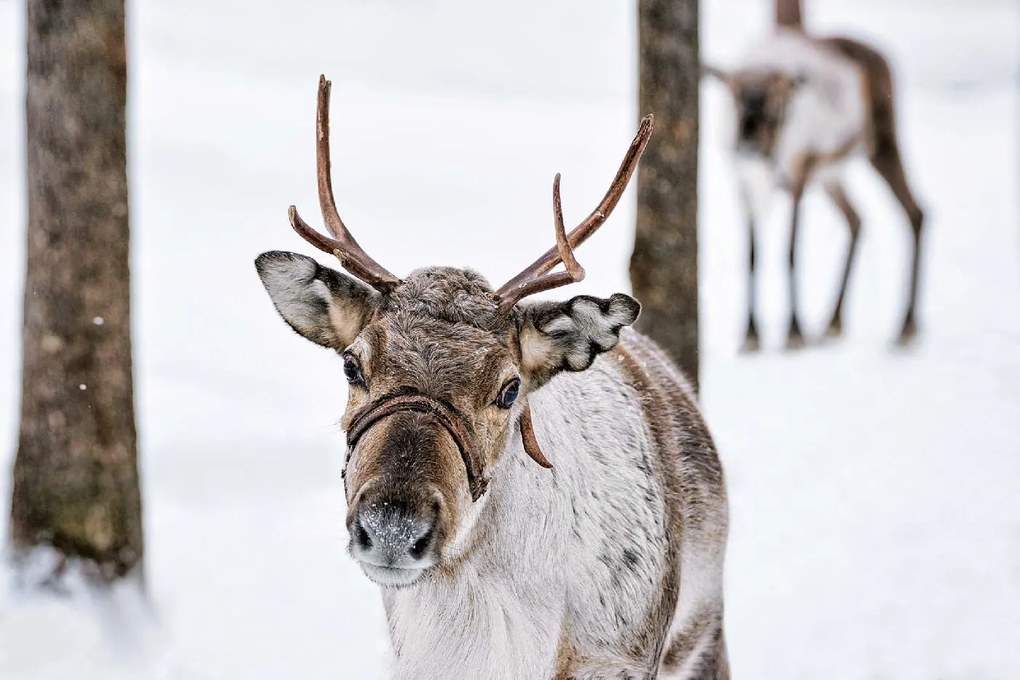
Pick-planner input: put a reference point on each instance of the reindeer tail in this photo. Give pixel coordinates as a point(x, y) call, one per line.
point(788, 14)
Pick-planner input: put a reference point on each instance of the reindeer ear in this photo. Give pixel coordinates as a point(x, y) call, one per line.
point(707, 70)
point(323, 305)
point(784, 85)
point(567, 336)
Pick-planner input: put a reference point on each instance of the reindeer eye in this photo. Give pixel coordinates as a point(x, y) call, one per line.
point(508, 395)
point(352, 369)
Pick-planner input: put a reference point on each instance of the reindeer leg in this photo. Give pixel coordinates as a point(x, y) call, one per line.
point(751, 343)
point(722, 659)
point(837, 194)
point(886, 160)
point(794, 338)
point(697, 652)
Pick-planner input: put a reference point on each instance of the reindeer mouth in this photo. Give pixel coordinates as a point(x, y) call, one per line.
point(391, 577)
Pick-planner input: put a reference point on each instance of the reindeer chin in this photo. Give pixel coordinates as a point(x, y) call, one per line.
point(391, 577)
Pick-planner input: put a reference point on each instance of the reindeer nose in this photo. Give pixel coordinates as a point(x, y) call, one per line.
point(390, 535)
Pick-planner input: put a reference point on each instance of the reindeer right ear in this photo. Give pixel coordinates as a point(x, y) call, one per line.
point(567, 336)
point(723, 76)
point(321, 304)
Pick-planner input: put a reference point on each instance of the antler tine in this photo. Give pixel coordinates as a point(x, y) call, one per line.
point(574, 271)
point(536, 278)
point(566, 253)
point(343, 244)
point(334, 247)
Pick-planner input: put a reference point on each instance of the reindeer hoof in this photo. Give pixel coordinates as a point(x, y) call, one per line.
point(795, 341)
point(835, 328)
point(908, 334)
point(751, 345)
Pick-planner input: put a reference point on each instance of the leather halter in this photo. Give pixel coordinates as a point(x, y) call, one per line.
point(452, 421)
point(529, 439)
point(444, 415)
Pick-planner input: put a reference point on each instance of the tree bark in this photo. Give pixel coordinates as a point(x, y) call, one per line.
point(664, 265)
point(76, 486)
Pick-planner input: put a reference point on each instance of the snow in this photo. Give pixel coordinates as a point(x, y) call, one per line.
point(874, 491)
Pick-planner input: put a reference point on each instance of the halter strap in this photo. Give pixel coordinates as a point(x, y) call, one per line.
point(452, 421)
point(529, 439)
point(445, 415)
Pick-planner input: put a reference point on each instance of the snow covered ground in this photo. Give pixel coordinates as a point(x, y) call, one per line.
point(875, 493)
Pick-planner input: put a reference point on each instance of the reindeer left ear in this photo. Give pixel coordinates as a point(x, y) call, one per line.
point(567, 336)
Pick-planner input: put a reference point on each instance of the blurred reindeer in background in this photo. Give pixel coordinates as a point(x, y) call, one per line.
point(804, 106)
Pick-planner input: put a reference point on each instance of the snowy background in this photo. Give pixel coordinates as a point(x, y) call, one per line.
point(875, 492)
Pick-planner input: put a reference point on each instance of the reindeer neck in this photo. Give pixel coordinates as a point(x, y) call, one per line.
point(548, 558)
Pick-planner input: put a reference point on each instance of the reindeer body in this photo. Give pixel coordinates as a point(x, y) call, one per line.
point(825, 121)
point(805, 106)
point(599, 568)
point(584, 543)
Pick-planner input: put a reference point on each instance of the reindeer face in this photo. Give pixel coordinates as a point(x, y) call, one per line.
point(760, 99)
point(438, 366)
point(437, 377)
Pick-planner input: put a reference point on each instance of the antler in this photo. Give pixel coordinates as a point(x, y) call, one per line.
point(342, 244)
point(536, 278)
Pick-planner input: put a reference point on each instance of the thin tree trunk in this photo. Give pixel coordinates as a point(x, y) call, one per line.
point(664, 266)
point(76, 476)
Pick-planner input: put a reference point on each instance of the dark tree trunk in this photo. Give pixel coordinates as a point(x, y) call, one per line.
point(76, 474)
point(664, 266)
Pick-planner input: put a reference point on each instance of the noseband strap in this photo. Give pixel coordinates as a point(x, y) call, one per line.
point(444, 415)
point(453, 422)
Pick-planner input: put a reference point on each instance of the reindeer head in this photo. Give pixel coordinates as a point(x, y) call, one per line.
point(440, 367)
point(760, 97)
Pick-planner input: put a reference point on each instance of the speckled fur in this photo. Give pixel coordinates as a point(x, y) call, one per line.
point(607, 566)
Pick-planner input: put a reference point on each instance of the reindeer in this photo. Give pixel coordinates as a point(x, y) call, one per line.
point(804, 107)
point(584, 541)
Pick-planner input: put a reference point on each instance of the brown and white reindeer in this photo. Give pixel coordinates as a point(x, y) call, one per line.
point(585, 541)
point(804, 106)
